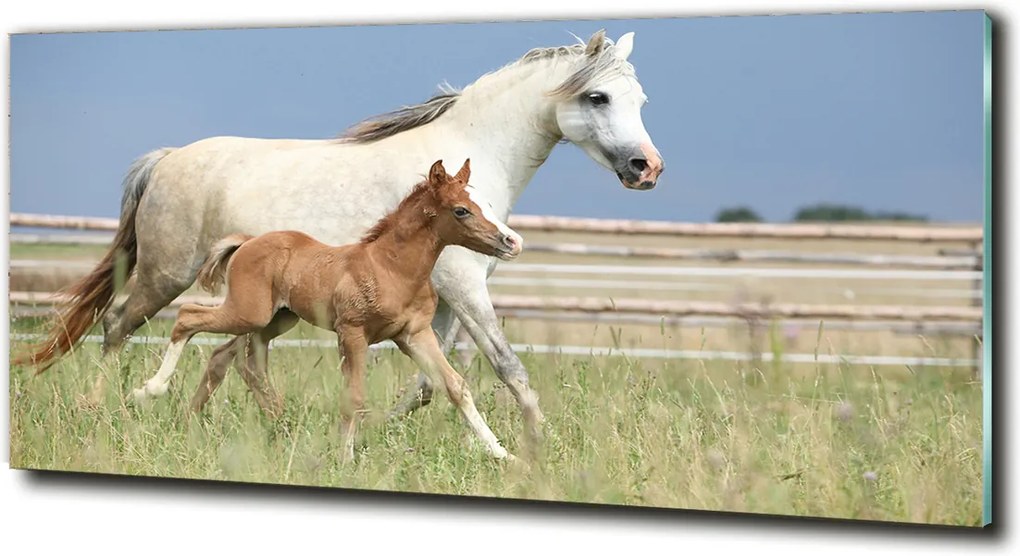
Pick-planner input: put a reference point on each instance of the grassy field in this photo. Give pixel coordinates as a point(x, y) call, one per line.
point(825, 440)
point(834, 440)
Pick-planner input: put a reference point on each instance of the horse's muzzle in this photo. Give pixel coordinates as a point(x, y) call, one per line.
point(641, 171)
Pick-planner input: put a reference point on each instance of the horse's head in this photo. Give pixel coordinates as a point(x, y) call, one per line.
point(599, 110)
point(463, 217)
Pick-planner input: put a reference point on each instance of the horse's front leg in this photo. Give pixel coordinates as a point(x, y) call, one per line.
point(466, 292)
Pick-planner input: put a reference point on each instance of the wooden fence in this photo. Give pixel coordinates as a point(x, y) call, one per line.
point(959, 261)
point(521, 222)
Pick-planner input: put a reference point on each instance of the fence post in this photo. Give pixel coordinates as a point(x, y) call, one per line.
point(978, 301)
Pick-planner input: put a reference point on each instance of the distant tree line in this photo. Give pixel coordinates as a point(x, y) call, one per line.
point(822, 212)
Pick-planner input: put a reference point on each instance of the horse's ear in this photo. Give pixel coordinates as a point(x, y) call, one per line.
point(437, 174)
point(465, 171)
point(624, 46)
point(596, 43)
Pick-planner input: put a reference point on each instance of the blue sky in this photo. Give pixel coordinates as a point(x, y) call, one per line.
point(882, 111)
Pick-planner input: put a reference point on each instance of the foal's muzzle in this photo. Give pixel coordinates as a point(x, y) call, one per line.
point(509, 246)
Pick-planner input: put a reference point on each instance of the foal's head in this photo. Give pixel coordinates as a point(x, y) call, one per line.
point(462, 217)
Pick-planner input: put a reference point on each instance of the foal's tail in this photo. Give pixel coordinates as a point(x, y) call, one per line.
point(214, 269)
point(89, 298)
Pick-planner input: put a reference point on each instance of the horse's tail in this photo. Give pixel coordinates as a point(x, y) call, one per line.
point(90, 297)
point(214, 269)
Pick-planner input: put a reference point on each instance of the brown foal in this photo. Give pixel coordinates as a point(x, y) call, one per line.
point(375, 290)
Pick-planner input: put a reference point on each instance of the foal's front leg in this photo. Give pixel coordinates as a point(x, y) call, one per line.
point(423, 348)
point(353, 348)
point(419, 391)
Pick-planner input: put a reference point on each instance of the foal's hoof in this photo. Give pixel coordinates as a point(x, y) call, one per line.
point(346, 459)
point(148, 391)
point(86, 403)
point(503, 455)
point(516, 464)
point(138, 395)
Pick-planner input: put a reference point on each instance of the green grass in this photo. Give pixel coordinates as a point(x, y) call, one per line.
point(56, 251)
point(825, 440)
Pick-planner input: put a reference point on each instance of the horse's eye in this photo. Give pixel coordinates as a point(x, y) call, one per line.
point(598, 98)
point(461, 212)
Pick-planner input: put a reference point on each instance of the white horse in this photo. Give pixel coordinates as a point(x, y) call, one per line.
point(178, 201)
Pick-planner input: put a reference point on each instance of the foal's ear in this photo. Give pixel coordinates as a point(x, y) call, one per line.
point(437, 174)
point(465, 171)
point(596, 43)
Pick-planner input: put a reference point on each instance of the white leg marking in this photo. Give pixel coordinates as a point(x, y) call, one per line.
point(158, 384)
point(477, 424)
point(349, 431)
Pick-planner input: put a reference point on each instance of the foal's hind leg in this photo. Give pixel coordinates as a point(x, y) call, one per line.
point(216, 371)
point(425, 351)
point(148, 295)
point(255, 370)
point(229, 318)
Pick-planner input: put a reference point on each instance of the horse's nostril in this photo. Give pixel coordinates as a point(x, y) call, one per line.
point(639, 164)
point(509, 241)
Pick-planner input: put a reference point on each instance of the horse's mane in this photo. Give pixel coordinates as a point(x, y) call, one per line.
point(390, 221)
point(399, 121)
point(407, 118)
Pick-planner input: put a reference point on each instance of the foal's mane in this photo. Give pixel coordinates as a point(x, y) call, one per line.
point(421, 192)
point(407, 118)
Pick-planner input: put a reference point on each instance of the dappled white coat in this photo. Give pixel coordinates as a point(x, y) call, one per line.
point(505, 122)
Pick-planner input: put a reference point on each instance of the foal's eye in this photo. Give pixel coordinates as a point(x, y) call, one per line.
point(598, 98)
point(461, 212)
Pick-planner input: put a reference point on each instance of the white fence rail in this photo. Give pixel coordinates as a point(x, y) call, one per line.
point(952, 260)
point(921, 234)
point(599, 305)
point(871, 360)
point(959, 261)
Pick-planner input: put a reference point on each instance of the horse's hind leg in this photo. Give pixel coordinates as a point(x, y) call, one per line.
point(255, 370)
point(148, 296)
